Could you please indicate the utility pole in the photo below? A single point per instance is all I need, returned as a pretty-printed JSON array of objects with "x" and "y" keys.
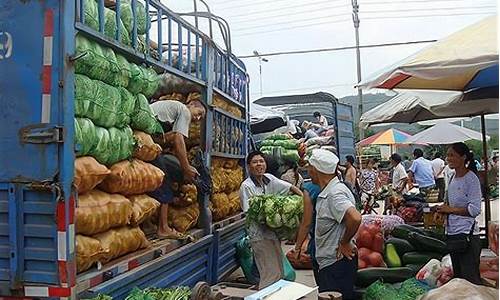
[
  {"x": 355, "y": 19},
  {"x": 261, "y": 59}
]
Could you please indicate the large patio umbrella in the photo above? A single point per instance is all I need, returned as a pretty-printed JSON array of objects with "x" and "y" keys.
[
  {"x": 388, "y": 137},
  {"x": 466, "y": 61},
  {"x": 444, "y": 133}
]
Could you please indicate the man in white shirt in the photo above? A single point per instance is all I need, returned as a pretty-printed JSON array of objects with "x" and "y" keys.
[
  {"x": 265, "y": 243},
  {"x": 438, "y": 169},
  {"x": 399, "y": 175},
  {"x": 337, "y": 221},
  {"x": 175, "y": 118}
]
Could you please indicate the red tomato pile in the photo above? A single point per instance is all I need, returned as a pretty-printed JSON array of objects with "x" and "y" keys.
[{"x": 370, "y": 242}]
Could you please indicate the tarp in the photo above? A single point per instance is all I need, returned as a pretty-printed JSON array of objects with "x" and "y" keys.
[
  {"x": 411, "y": 106},
  {"x": 264, "y": 119},
  {"x": 445, "y": 133},
  {"x": 466, "y": 60}
]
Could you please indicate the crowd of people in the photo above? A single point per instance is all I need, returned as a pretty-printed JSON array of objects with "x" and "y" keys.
[{"x": 331, "y": 219}]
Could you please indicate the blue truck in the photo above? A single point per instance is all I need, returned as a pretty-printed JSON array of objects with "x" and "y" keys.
[
  {"x": 301, "y": 108},
  {"x": 37, "y": 149}
]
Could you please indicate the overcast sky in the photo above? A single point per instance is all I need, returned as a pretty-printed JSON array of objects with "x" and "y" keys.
[{"x": 284, "y": 25}]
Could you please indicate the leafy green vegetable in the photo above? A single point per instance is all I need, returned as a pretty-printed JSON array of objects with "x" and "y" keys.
[
  {"x": 100, "y": 297},
  {"x": 176, "y": 293},
  {"x": 280, "y": 213}
]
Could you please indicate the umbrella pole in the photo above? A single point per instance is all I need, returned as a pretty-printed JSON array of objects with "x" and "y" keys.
[{"x": 486, "y": 187}]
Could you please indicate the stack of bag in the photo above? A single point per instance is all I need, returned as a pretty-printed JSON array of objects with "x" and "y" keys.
[
  {"x": 113, "y": 144},
  {"x": 227, "y": 176}
]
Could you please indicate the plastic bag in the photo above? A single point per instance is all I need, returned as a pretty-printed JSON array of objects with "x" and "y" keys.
[
  {"x": 380, "y": 291},
  {"x": 493, "y": 236},
  {"x": 430, "y": 273},
  {"x": 447, "y": 270},
  {"x": 132, "y": 178},
  {"x": 143, "y": 207},
  {"x": 220, "y": 206},
  {"x": 461, "y": 289},
  {"x": 488, "y": 267},
  {"x": 120, "y": 241},
  {"x": 147, "y": 149},
  {"x": 88, "y": 174},
  {"x": 143, "y": 118},
  {"x": 99, "y": 211},
  {"x": 110, "y": 27},
  {"x": 185, "y": 218},
  {"x": 85, "y": 136},
  {"x": 128, "y": 19},
  {"x": 97, "y": 101},
  {"x": 88, "y": 252},
  {"x": 370, "y": 236},
  {"x": 386, "y": 222}
]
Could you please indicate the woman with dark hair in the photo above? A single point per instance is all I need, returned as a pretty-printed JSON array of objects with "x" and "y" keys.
[
  {"x": 292, "y": 174},
  {"x": 462, "y": 207}
]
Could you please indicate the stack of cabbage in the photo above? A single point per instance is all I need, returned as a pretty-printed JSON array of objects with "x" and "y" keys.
[
  {"x": 280, "y": 213},
  {"x": 281, "y": 146}
]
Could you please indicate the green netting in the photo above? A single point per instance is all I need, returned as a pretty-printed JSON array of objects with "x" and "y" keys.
[
  {"x": 143, "y": 80},
  {"x": 85, "y": 138},
  {"x": 97, "y": 101},
  {"x": 110, "y": 27},
  {"x": 127, "y": 17},
  {"x": 101, "y": 63},
  {"x": 91, "y": 14},
  {"x": 101, "y": 151},
  {"x": 143, "y": 118},
  {"x": 127, "y": 106}
]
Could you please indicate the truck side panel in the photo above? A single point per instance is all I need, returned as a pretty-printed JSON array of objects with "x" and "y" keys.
[{"x": 345, "y": 131}]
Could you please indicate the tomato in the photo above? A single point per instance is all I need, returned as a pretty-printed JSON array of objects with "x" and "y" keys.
[
  {"x": 361, "y": 264},
  {"x": 376, "y": 259},
  {"x": 378, "y": 243},
  {"x": 372, "y": 229},
  {"x": 364, "y": 239}
]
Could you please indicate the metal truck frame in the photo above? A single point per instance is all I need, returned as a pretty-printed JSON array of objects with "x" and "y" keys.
[{"x": 37, "y": 151}]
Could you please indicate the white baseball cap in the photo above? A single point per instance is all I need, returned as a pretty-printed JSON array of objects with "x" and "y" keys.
[{"x": 324, "y": 161}]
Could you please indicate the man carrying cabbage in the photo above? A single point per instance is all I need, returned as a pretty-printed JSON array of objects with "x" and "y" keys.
[
  {"x": 265, "y": 243},
  {"x": 337, "y": 221}
]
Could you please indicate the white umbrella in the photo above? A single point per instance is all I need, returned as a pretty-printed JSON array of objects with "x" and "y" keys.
[{"x": 444, "y": 133}]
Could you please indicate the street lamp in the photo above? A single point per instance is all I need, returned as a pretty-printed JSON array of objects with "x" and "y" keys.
[{"x": 261, "y": 59}]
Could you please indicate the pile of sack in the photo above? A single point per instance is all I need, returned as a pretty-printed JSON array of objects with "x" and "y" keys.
[{"x": 227, "y": 176}]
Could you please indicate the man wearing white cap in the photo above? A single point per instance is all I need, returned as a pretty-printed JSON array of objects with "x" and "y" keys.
[{"x": 337, "y": 221}]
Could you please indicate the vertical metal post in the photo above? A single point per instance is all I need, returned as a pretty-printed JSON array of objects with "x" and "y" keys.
[
  {"x": 486, "y": 188},
  {"x": 260, "y": 75},
  {"x": 355, "y": 19}
]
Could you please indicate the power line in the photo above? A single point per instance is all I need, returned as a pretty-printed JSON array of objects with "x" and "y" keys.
[
  {"x": 366, "y": 18},
  {"x": 409, "y": 2},
  {"x": 265, "y": 11},
  {"x": 290, "y": 22},
  {"x": 427, "y": 9},
  {"x": 309, "y": 88},
  {"x": 288, "y": 14},
  {"x": 426, "y": 16},
  {"x": 293, "y": 27},
  {"x": 263, "y": 2},
  {"x": 336, "y": 49}
]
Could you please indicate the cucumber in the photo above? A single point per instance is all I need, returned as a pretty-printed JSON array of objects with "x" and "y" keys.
[
  {"x": 402, "y": 246},
  {"x": 415, "y": 267},
  {"x": 418, "y": 258},
  {"x": 402, "y": 231},
  {"x": 425, "y": 243},
  {"x": 391, "y": 256},
  {"x": 365, "y": 277}
]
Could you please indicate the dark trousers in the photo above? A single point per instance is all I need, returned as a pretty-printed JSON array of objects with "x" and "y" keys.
[
  {"x": 466, "y": 264},
  {"x": 339, "y": 277},
  {"x": 315, "y": 271},
  {"x": 440, "y": 184}
]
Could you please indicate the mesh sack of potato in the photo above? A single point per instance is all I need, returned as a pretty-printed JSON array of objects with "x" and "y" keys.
[
  {"x": 229, "y": 163},
  {"x": 220, "y": 206},
  {"x": 193, "y": 97},
  {"x": 88, "y": 252},
  {"x": 192, "y": 152},
  {"x": 146, "y": 149},
  {"x": 194, "y": 138},
  {"x": 120, "y": 241},
  {"x": 99, "y": 211},
  {"x": 132, "y": 178},
  {"x": 188, "y": 196},
  {"x": 88, "y": 173},
  {"x": 183, "y": 218},
  {"x": 143, "y": 207},
  {"x": 219, "y": 103},
  {"x": 234, "y": 202},
  {"x": 234, "y": 178},
  {"x": 174, "y": 96},
  {"x": 218, "y": 179}
]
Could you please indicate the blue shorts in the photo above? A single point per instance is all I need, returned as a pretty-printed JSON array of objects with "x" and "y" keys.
[{"x": 170, "y": 165}]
